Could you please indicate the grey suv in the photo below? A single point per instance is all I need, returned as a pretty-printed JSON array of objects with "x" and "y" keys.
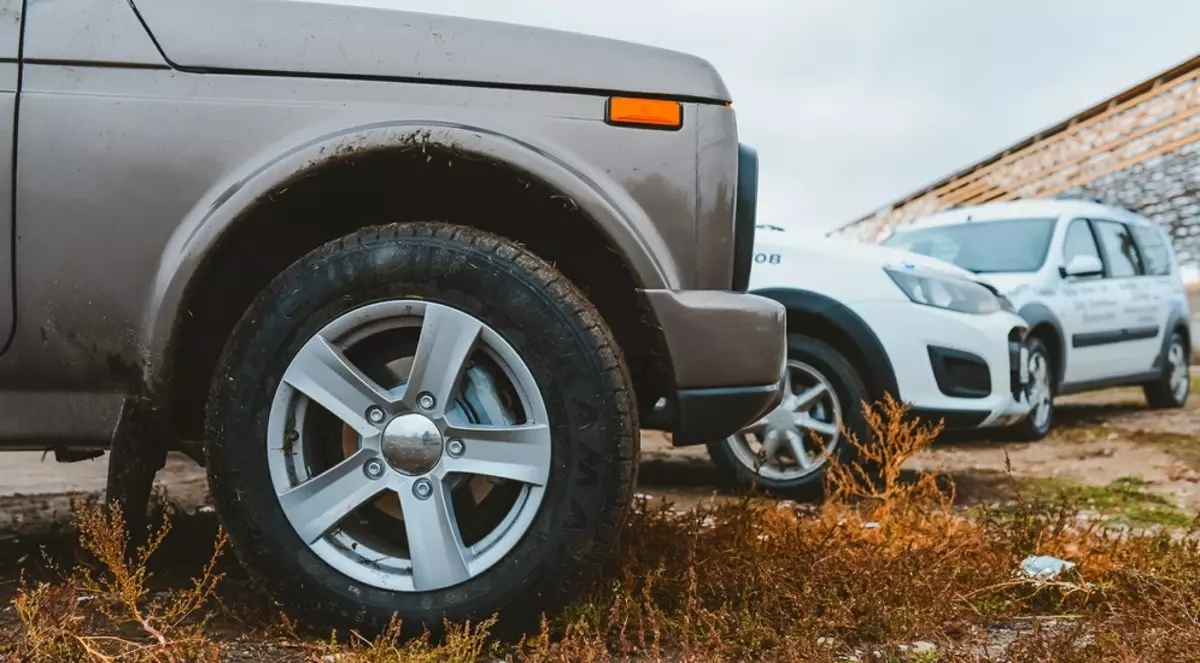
[{"x": 403, "y": 283}]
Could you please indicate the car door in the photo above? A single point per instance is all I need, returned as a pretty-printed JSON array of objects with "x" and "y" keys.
[
  {"x": 1131, "y": 344},
  {"x": 1087, "y": 307},
  {"x": 10, "y": 69},
  {"x": 1161, "y": 294}
]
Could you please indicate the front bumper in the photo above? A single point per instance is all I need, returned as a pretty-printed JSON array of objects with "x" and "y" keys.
[
  {"x": 728, "y": 354},
  {"x": 969, "y": 371}
]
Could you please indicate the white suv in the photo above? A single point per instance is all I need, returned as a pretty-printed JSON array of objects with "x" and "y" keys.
[
  {"x": 1099, "y": 286},
  {"x": 864, "y": 321}
]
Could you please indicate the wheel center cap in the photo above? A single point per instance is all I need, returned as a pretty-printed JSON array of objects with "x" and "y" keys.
[
  {"x": 412, "y": 444},
  {"x": 782, "y": 419}
]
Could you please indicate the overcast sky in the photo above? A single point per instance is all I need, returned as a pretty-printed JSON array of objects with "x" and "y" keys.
[{"x": 854, "y": 103}]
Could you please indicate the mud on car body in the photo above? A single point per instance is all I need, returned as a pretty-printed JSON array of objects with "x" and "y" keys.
[{"x": 404, "y": 283}]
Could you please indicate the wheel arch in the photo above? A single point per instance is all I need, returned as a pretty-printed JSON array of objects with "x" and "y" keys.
[
  {"x": 1177, "y": 321},
  {"x": 829, "y": 320},
  {"x": 268, "y": 214},
  {"x": 1046, "y": 326}
]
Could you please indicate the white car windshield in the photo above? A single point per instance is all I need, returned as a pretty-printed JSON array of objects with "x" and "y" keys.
[{"x": 1010, "y": 245}]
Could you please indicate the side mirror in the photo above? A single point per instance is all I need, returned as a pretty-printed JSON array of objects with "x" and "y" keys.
[{"x": 1083, "y": 266}]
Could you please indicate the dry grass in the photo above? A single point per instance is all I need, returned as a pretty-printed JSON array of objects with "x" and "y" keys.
[
  {"x": 123, "y": 620},
  {"x": 882, "y": 564}
]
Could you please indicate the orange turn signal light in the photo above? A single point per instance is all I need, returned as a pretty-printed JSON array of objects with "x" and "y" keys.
[{"x": 650, "y": 113}]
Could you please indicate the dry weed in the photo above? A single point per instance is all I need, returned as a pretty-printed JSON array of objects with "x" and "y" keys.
[{"x": 106, "y": 612}]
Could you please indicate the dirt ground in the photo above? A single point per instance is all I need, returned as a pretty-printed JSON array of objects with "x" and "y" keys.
[{"x": 1100, "y": 438}]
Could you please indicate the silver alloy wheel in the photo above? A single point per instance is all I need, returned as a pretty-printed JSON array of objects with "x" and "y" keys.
[
  {"x": 419, "y": 444},
  {"x": 1040, "y": 394},
  {"x": 797, "y": 437},
  {"x": 1179, "y": 371}
]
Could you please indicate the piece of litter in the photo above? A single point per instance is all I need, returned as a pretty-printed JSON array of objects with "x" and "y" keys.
[
  {"x": 871, "y": 525},
  {"x": 922, "y": 647},
  {"x": 1044, "y": 567},
  {"x": 205, "y": 509}
]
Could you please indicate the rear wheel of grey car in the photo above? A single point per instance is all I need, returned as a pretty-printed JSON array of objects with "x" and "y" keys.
[
  {"x": 1040, "y": 395},
  {"x": 1172, "y": 388},
  {"x": 787, "y": 452},
  {"x": 425, "y": 421}
]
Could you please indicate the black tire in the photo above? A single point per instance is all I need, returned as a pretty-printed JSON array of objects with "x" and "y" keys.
[
  {"x": 570, "y": 352},
  {"x": 1030, "y": 429},
  {"x": 1159, "y": 394},
  {"x": 851, "y": 394}
]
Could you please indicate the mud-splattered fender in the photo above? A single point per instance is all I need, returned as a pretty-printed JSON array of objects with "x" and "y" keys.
[{"x": 601, "y": 198}]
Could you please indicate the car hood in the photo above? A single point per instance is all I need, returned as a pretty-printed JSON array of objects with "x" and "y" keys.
[
  {"x": 1006, "y": 282},
  {"x": 286, "y": 36},
  {"x": 848, "y": 252}
]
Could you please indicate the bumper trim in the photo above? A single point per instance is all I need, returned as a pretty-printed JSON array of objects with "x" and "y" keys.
[
  {"x": 954, "y": 419},
  {"x": 702, "y": 416}
]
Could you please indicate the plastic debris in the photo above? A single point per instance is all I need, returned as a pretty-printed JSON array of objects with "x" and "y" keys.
[{"x": 1044, "y": 567}]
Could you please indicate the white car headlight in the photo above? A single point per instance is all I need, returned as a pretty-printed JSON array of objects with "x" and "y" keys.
[{"x": 948, "y": 292}]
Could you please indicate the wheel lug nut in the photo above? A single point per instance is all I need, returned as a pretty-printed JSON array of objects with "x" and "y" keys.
[
  {"x": 423, "y": 489},
  {"x": 426, "y": 401},
  {"x": 373, "y": 468},
  {"x": 455, "y": 448},
  {"x": 375, "y": 414}
]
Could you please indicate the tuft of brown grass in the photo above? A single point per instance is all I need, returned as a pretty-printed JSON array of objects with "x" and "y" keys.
[{"x": 105, "y": 611}]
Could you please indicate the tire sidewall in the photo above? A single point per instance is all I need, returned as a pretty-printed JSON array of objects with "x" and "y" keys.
[
  {"x": 1177, "y": 341},
  {"x": 553, "y": 341},
  {"x": 1032, "y": 430},
  {"x": 850, "y": 392}
]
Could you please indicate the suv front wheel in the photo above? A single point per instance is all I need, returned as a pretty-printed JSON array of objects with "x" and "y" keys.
[{"x": 421, "y": 420}]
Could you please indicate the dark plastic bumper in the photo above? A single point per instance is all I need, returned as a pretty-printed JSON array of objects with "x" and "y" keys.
[{"x": 700, "y": 416}]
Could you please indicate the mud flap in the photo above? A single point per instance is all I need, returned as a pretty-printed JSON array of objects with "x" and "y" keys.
[{"x": 139, "y": 451}]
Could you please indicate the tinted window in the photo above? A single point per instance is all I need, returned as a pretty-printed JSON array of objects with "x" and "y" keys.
[
  {"x": 1155, "y": 252},
  {"x": 1011, "y": 245},
  {"x": 1079, "y": 242},
  {"x": 1119, "y": 248}
]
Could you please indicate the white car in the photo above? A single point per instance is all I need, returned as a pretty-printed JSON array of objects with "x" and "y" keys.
[
  {"x": 863, "y": 321},
  {"x": 1098, "y": 284}
]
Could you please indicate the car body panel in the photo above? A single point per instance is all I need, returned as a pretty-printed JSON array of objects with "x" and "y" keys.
[
  {"x": 10, "y": 48},
  {"x": 130, "y": 173},
  {"x": 88, "y": 33},
  {"x": 321, "y": 39}
]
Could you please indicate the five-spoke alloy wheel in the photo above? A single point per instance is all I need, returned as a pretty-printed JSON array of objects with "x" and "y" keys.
[
  {"x": 432, "y": 436},
  {"x": 422, "y": 421}
]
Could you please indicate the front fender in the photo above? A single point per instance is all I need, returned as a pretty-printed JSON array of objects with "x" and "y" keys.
[
  {"x": 882, "y": 376},
  {"x": 600, "y": 198}
]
